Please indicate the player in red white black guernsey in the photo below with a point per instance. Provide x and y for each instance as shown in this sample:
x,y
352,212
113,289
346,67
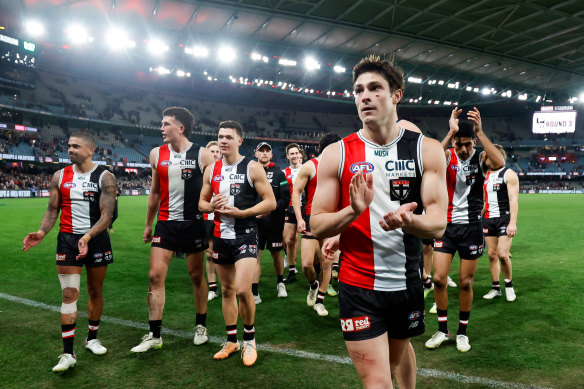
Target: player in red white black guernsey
x,y
310,246
231,187
465,175
372,188
271,226
85,194
177,176
501,191
213,147
291,236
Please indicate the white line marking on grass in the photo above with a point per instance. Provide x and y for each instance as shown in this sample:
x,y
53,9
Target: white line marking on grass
x,y
286,351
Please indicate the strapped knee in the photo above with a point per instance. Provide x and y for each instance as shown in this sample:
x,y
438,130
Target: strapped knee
x,y
70,281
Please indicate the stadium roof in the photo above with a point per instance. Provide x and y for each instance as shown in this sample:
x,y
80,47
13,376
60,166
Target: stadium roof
x,y
532,44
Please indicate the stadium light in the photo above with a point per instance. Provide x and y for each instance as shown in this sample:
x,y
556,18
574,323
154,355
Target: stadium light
x,y
339,69
581,96
286,62
259,57
118,39
226,54
537,100
197,51
35,28
441,82
78,34
486,91
415,80
469,88
522,97
157,47
311,64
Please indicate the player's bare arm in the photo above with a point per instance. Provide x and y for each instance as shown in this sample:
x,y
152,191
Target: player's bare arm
x,y
434,195
206,158
205,203
453,129
299,185
326,220
513,194
264,189
153,198
107,203
492,158
50,216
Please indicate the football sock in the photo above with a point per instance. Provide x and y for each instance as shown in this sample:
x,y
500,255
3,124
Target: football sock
x,y
232,333
93,327
280,278
155,327
463,322
508,283
320,298
68,335
248,332
497,286
428,282
314,284
255,288
213,287
201,318
442,320
292,268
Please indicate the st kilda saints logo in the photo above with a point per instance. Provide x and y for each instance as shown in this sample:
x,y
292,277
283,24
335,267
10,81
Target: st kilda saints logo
x,y
187,174
235,189
399,189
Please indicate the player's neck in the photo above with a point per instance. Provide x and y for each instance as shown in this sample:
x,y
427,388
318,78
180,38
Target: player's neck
x,y
84,167
381,134
295,166
232,159
180,145
265,164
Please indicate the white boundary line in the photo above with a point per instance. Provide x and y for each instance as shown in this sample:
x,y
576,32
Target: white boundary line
x,y
286,351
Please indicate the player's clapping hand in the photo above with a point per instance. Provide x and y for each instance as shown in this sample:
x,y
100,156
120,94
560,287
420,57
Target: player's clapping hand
x,y
401,218
82,247
361,191
218,202
147,237
330,247
475,117
511,230
31,240
453,121
228,210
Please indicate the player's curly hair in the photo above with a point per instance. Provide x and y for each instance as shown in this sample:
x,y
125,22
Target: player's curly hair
x,y
384,66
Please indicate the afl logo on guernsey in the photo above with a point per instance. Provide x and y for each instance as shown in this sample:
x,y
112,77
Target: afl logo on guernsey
x,y
364,167
69,185
166,163
455,168
218,178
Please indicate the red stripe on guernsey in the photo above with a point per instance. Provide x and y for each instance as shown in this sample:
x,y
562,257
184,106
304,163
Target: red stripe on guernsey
x,y
68,334
66,221
311,188
486,194
289,178
451,181
215,186
162,169
356,241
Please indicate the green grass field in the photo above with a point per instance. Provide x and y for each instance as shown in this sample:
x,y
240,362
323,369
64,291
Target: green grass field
x,y
535,340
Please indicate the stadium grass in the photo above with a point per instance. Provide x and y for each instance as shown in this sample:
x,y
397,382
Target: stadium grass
x,y
535,340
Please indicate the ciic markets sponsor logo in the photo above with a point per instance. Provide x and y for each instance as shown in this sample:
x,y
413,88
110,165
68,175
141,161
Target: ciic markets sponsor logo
x,y
165,163
355,324
69,185
364,167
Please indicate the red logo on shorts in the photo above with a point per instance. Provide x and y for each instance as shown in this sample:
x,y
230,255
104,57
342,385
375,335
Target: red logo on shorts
x,y
485,230
215,255
156,239
438,244
61,257
355,324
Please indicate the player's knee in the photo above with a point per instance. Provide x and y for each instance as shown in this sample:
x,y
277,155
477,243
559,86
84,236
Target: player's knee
x,y
95,293
503,256
494,256
439,281
466,284
155,277
244,294
70,289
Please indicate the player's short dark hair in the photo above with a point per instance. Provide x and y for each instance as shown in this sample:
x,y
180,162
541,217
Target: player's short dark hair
x,y
465,129
87,137
291,146
183,116
384,66
327,139
232,124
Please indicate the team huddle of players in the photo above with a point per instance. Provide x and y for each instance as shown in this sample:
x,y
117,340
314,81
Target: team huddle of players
x,y
370,197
